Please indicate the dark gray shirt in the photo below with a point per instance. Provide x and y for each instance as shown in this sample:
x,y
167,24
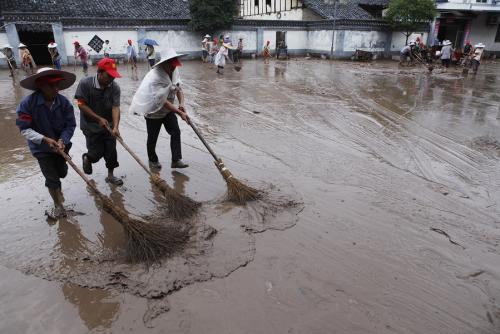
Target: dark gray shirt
x,y
100,100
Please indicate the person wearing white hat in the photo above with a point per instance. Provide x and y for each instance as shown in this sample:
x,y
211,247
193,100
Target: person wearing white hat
x,y
54,55
476,58
407,52
11,61
47,120
446,52
154,99
204,48
220,58
27,60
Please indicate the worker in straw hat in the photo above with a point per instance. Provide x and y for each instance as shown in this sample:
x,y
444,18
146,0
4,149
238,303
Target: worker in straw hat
x,y
222,55
446,52
406,55
54,55
81,53
47,121
477,55
11,61
154,99
27,60
98,98
204,48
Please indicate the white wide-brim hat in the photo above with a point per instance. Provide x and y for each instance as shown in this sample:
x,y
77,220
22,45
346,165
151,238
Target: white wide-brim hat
x,y
167,55
21,45
447,42
67,81
479,45
207,36
52,45
7,46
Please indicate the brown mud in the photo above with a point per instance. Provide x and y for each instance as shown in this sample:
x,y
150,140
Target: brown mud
x,y
390,178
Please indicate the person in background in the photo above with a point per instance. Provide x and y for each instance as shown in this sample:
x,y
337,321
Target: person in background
x,y
81,53
467,48
446,52
98,98
131,55
106,48
239,50
212,50
154,99
406,54
477,55
204,48
11,60
220,58
282,48
27,60
266,52
54,55
47,120
150,55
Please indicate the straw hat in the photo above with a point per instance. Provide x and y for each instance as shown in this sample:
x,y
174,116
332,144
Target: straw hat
x,y
169,54
66,82
52,45
412,43
21,46
446,42
207,36
480,45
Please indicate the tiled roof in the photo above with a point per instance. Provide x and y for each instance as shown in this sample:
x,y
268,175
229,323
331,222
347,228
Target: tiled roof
x,y
345,10
381,3
125,9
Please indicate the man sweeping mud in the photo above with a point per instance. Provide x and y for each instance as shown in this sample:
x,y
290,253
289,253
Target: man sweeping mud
x,y
155,101
47,121
98,98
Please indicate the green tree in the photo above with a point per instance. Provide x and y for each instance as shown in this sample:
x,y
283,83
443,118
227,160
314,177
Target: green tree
x,y
209,15
408,16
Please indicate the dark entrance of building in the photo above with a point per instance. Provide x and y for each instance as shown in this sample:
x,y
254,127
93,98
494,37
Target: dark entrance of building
x,y
37,37
453,28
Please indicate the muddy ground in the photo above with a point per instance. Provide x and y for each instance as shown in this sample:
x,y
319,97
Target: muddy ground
x,y
381,214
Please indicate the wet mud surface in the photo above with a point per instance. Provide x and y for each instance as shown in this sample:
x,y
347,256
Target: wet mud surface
x,y
380,212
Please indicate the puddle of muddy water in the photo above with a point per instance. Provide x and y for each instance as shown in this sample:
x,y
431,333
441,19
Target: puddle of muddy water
x,y
365,159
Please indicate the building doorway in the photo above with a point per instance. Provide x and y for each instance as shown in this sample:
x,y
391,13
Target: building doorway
x,y
281,46
37,37
452,29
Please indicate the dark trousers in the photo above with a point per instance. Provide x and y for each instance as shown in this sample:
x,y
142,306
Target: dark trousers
x,y
54,168
102,145
170,123
151,62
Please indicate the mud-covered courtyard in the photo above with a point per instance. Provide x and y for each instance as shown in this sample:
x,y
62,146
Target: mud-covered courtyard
x,y
381,212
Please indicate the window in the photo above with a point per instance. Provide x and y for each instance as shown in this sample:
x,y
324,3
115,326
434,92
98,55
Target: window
x,y
256,3
482,1
497,37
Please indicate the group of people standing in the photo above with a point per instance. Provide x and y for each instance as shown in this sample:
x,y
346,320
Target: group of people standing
x,y
47,119
27,62
468,56
217,50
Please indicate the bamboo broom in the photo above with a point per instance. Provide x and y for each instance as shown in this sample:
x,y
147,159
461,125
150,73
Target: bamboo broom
x,y
178,205
146,242
237,191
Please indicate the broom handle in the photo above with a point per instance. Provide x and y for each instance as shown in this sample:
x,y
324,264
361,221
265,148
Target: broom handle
x,y
195,129
129,150
82,175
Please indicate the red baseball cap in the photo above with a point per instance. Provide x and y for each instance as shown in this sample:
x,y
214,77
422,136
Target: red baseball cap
x,y
109,65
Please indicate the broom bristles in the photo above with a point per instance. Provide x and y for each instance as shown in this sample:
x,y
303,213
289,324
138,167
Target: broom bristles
x,y
237,191
178,205
147,242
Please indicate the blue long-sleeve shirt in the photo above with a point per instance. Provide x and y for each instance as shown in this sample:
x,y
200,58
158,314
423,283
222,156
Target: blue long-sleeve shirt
x,y
35,117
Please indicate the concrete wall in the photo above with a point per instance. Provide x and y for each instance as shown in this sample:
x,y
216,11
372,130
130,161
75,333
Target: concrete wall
x,y
117,39
481,32
373,41
398,39
3,41
255,8
320,41
299,14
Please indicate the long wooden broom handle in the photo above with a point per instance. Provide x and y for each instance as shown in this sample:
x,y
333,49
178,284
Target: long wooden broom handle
x,y
195,129
82,175
129,150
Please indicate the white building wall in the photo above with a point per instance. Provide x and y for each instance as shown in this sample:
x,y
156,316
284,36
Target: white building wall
x,y
319,40
373,41
117,39
398,39
254,10
296,40
180,40
249,39
481,32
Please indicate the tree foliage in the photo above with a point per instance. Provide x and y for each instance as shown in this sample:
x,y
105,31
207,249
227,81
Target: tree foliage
x,y
210,15
410,15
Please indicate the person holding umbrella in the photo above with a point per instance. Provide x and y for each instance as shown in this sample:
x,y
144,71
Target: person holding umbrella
x,y
154,99
11,61
54,55
47,120
98,98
